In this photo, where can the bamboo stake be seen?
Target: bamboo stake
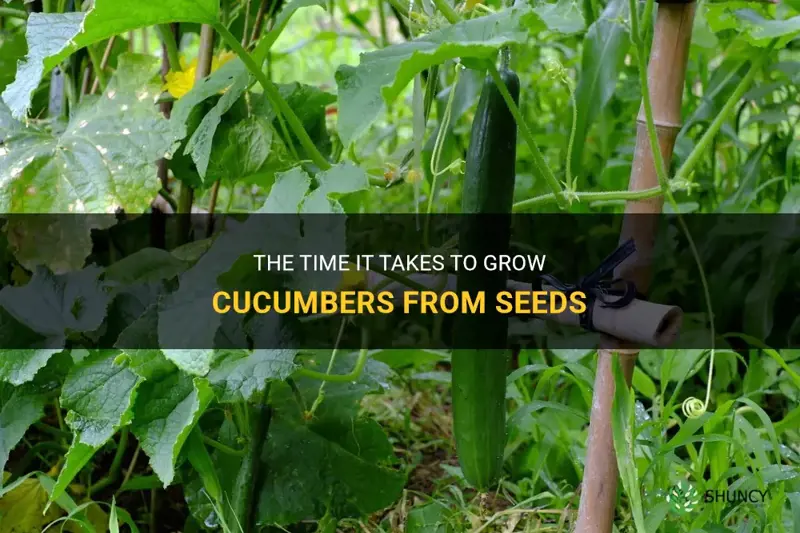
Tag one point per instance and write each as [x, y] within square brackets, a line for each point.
[666, 77]
[165, 107]
[205, 57]
[103, 63]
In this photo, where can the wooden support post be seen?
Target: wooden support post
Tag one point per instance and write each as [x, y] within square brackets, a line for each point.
[666, 76]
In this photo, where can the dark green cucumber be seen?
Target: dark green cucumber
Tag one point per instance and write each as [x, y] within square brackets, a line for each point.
[250, 476]
[479, 371]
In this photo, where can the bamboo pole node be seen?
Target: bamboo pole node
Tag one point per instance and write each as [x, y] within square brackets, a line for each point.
[660, 124]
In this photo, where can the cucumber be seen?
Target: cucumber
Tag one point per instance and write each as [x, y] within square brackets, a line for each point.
[479, 373]
[250, 476]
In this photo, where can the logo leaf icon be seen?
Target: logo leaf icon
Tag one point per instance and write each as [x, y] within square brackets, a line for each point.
[683, 498]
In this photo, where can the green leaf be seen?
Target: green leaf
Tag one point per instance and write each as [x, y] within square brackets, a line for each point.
[622, 429]
[103, 161]
[340, 471]
[287, 192]
[242, 151]
[167, 408]
[196, 362]
[791, 202]
[238, 375]
[77, 457]
[20, 366]
[430, 518]
[604, 50]
[19, 408]
[759, 303]
[61, 243]
[144, 266]
[681, 364]
[201, 462]
[334, 183]
[643, 384]
[200, 143]
[218, 81]
[186, 318]
[53, 37]
[54, 305]
[756, 29]
[563, 16]
[98, 393]
[308, 103]
[382, 75]
[344, 469]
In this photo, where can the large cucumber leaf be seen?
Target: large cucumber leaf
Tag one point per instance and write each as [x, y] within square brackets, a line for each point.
[52, 37]
[346, 460]
[382, 75]
[103, 161]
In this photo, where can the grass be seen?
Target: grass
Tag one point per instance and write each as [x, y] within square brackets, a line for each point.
[746, 441]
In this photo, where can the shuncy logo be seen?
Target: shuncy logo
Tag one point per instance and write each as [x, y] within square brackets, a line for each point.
[735, 496]
[683, 498]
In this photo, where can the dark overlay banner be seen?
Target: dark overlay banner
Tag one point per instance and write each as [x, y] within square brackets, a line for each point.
[265, 281]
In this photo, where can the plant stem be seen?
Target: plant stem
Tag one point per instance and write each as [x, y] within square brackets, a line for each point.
[274, 97]
[153, 502]
[353, 375]
[212, 202]
[708, 136]
[165, 194]
[116, 465]
[571, 185]
[447, 10]
[131, 466]
[222, 447]
[643, 194]
[538, 160]
[321, 391]
[382, 24]
[50, 430]
[245, 37]
[98, 70]
[259, 22]
[339, 378]
[171, 46]
[10, 12]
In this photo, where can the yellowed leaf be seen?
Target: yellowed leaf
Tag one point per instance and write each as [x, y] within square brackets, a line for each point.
[96, 516]
[22, 509]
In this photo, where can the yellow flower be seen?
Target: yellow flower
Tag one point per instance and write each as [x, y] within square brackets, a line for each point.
[180, 83]
[221, 59]
[352, 278]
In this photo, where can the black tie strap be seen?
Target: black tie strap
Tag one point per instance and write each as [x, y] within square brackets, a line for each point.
[596, 287]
